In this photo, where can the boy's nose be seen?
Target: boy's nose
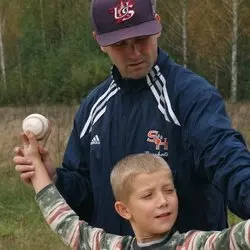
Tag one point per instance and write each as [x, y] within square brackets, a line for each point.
[162, 200]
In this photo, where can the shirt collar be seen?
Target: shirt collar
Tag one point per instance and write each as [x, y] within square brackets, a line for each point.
[154, 245]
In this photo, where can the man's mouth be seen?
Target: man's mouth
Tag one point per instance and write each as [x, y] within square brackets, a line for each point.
[135, 64]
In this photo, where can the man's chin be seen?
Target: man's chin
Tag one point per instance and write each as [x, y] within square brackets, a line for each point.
[138, 74]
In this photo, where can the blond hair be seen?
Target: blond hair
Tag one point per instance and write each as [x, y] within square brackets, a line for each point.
[125, 171]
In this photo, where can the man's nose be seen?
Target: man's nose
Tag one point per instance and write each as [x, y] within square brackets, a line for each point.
[134, 49]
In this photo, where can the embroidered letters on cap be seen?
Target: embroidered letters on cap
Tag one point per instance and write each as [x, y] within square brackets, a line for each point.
[123, 11]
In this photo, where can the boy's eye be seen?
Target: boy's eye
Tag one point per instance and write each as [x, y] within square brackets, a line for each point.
[147, 196]
[169, 191]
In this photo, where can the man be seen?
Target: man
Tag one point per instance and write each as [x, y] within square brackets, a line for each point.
[150, 104]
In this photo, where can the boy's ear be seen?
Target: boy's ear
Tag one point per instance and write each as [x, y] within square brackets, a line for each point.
[122, 210]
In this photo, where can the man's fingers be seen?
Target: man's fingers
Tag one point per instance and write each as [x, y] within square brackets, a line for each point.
[25, 177]
[44, 154]
[18, 151]
[42, 150]
[23, 169]
[20, 160]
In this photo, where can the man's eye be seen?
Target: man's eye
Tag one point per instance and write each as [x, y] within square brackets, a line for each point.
[119, 44]
[141, 39]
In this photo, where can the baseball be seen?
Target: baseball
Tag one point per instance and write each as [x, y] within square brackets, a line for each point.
[37, 124]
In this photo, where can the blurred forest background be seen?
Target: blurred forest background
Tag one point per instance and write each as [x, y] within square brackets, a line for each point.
[48, 54]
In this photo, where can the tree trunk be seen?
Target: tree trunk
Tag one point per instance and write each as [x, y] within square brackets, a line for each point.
[216, 73]
[42, 24]
[2, 60]
[20, 67]
[184, 32]
[234, 70]
[60, 18]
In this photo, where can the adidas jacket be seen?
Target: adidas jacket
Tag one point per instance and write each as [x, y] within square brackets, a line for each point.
[173, 113]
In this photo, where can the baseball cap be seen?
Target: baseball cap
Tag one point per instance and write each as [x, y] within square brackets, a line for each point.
[117, 20]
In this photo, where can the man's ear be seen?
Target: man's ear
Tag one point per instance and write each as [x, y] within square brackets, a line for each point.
[122, 210]
[94, 36]
[157, 17]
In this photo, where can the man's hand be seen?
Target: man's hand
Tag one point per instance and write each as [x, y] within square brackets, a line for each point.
[25, 168]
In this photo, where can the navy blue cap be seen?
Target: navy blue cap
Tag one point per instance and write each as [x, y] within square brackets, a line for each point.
[117, 20]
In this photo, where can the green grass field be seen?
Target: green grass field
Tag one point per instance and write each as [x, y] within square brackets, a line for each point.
[21, 224]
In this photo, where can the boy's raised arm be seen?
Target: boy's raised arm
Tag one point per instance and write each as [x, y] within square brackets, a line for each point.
[62, 219]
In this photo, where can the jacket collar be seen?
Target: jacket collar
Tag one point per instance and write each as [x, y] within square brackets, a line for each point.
[131, 85]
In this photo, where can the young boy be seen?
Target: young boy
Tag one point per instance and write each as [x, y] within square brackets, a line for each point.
[145, 195]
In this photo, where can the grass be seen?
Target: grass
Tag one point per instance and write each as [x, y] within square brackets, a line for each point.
[21, 224]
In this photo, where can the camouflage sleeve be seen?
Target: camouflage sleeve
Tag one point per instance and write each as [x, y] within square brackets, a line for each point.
[74, 233]
[236, 237]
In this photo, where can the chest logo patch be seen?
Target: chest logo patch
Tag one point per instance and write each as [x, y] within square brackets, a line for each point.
[157, 139]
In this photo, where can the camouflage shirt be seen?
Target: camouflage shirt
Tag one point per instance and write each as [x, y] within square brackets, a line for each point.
[79, 235]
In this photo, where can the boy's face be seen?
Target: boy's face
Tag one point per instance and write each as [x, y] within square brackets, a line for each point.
[153, 205]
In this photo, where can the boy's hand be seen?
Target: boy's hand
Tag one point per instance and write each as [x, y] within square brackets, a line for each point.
[25, 167]
[41, 178]
[30, 146]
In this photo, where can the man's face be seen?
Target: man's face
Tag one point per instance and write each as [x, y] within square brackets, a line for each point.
[134, 57]
[153, 204]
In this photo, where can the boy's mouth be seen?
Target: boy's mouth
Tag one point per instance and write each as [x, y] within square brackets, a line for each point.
[164, 215]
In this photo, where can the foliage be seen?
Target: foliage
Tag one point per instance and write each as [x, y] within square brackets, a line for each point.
[50, 55]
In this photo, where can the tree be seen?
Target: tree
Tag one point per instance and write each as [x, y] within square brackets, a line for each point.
[175, 28]
[184, 30]
[3, 7]
[234, 74]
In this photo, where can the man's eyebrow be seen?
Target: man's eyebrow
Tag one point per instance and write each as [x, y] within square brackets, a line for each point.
[141, 37]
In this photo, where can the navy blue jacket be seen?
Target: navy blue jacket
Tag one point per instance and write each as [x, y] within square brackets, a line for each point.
[174, 113]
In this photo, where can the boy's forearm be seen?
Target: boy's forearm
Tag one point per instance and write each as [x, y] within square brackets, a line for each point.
[66, 223]
[41, 177]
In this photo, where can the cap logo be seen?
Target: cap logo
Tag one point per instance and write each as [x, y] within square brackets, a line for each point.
[123, 10]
